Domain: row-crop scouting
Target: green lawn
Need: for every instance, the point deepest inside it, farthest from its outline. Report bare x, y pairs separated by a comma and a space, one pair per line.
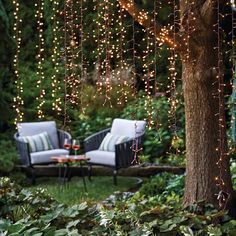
73, 192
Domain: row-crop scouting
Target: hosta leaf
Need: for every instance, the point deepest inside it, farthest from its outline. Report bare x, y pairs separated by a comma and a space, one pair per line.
167, 226
72, 223
186, 230
157, 210
61, 232
15, 228
74, 233
213, 231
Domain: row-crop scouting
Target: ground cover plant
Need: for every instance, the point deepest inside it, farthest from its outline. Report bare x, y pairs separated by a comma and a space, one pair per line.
153, 210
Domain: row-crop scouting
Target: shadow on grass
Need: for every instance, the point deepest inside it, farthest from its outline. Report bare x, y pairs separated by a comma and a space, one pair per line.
73, 192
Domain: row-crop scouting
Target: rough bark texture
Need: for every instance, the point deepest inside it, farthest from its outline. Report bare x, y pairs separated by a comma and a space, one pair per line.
200, 85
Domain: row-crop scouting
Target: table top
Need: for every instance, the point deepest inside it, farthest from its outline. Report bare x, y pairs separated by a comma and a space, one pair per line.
70, 158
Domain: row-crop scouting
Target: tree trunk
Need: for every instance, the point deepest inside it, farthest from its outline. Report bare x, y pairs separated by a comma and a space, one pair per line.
201, 98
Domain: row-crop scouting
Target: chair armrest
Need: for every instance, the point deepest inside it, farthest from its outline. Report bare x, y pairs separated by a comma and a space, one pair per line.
124, 152
23, 149
93, 142
62, 135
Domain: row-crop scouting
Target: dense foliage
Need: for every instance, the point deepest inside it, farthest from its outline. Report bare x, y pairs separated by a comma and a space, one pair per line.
154, 210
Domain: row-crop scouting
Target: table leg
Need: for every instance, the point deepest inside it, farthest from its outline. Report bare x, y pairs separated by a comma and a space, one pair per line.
82, 173
65, 173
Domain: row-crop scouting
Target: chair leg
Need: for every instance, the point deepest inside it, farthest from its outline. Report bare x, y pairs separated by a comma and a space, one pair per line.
89, 172
33, 175
115, 177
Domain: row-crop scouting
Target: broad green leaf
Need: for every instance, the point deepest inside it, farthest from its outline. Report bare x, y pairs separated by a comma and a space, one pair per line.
61, 232
186, 230
213, 231
72, 223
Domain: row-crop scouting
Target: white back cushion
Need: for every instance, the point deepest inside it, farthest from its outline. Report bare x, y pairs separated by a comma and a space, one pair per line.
127, 127
33, 128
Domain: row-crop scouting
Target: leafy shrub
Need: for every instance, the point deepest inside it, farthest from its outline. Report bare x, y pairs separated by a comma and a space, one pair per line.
160, 139
8, 155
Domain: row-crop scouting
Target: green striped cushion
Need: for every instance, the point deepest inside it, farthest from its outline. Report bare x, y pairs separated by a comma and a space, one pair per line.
110, 140
39, 142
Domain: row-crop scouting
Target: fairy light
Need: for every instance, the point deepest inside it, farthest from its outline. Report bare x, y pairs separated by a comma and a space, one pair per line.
83, 70
71, 78
133, 49
107, 65
98, 52
122, 66
172, 90
56, 83
149, 74
40, 58
232, 60
222, 196
18, 101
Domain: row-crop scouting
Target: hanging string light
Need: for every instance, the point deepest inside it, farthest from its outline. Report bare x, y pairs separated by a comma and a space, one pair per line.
83, 70
70, 54
124, 55
40, 57
172, 89
149, 72
18, 101
107, 62
56, 83
98, 34
233, 80
222, 196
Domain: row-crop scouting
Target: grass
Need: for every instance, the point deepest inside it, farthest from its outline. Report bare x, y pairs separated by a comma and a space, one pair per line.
73, 192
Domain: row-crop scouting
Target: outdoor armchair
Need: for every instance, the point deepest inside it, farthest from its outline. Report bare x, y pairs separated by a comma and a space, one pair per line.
30, 158
123, 154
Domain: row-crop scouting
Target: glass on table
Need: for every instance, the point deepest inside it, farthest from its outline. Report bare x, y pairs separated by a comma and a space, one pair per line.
75, 146
67, 145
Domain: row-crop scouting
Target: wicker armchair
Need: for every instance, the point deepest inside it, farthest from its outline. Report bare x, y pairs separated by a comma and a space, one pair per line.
123, 155
31, 159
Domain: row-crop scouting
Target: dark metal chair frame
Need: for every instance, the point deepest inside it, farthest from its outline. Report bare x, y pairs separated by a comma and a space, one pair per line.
124, 155
24, 153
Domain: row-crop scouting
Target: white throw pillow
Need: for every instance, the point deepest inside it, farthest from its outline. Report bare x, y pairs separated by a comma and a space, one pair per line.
110, 140
39, 142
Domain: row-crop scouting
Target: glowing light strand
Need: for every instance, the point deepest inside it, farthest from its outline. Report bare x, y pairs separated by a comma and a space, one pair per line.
18, 101
222, 196
40, 58
56, 83
172, 90
107, 20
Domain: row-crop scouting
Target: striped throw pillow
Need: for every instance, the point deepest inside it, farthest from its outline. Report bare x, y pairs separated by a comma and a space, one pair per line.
39, 142
110, 140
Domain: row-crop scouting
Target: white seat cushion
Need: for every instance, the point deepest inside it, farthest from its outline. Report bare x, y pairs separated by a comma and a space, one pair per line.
101, 157
33, 128
45, 156
127, 127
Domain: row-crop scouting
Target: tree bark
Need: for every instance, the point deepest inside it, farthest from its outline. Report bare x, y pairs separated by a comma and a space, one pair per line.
202, 130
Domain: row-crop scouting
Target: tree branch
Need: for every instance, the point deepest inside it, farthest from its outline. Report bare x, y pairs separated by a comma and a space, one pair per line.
162, 34
208, 9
